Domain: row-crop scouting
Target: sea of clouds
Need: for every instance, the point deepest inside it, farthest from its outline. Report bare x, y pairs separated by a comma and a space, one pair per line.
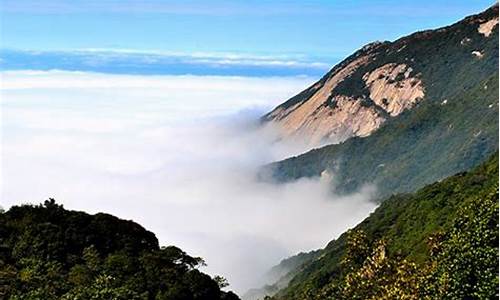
177, 154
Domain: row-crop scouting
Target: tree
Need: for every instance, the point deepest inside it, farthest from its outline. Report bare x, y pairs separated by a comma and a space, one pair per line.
467, 263
221, 281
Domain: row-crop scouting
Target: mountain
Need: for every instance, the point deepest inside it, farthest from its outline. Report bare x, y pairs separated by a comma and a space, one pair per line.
384, 79
280, 275
440, 117
440, 242
408, 112
48, 252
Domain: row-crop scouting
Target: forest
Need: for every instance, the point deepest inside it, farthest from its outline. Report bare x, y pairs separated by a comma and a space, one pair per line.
48, 252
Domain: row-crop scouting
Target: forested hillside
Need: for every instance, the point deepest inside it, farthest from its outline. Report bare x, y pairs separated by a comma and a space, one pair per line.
440, 242
48, 252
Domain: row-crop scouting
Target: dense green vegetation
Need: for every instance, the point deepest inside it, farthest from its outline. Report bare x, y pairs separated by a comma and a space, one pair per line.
47, 252
434, 140
439, 243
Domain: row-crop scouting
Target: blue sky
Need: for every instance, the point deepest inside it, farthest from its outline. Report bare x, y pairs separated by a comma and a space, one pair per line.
307, 31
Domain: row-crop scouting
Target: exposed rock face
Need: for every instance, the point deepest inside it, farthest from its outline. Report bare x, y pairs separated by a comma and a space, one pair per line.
324, 116
478, 54
393, 88
487, 27
330, 115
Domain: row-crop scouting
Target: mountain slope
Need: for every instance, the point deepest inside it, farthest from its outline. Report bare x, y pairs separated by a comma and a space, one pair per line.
454, 127
280, 275
427, 144
438, 243
384, 79
47, 252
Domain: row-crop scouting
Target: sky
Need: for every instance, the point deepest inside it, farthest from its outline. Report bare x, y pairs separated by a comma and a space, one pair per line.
314, 33
148, 110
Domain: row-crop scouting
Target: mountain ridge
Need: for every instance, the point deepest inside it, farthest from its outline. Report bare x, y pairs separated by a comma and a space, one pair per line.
454, 128
380, 81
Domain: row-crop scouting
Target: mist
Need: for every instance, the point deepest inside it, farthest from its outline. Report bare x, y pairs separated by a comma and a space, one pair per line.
177, 154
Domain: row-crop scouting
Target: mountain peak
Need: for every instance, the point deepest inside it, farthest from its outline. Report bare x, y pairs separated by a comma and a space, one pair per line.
383, 79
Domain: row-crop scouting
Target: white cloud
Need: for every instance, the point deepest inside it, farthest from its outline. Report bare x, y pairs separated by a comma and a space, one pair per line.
170, 61
58, 79
177, 154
